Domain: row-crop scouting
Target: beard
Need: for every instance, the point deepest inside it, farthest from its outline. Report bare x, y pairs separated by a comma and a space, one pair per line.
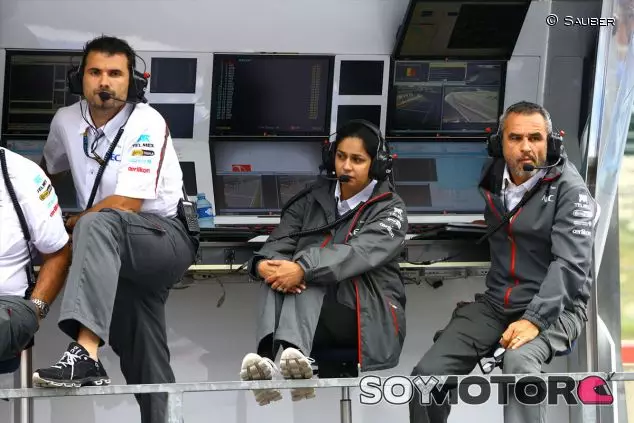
519, 172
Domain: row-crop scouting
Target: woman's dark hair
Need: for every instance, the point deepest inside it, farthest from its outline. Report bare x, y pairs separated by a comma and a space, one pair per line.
359, 130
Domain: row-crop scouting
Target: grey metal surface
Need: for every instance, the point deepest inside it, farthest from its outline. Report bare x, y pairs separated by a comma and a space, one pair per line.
180, 388
23, 408
346, 405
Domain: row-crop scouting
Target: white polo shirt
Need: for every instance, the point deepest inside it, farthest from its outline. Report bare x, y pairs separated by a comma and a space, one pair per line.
143, 165
39, 205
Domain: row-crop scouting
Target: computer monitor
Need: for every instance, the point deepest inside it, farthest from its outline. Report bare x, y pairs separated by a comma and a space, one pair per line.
257, 95
258, 178
63, 184
439, 177
189, 177
35, 87
445, 97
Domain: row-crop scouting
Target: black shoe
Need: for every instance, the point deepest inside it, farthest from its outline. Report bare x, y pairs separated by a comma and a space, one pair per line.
73, 370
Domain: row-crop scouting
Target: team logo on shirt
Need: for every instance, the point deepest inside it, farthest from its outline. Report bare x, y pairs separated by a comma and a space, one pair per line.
46, 193
42, 186
142, 152
140, 161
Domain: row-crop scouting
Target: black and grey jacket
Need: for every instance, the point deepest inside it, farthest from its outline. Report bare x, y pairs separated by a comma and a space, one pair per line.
361, 255
542, 261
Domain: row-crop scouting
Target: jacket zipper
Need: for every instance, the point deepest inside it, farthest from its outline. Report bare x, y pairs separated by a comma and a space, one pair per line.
509, 231
355, 281
356, 291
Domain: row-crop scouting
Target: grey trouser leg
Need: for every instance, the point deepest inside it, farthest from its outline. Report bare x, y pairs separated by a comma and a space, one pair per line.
474, 325
138, 337
290, 318
18, 324
123, 265
530, 357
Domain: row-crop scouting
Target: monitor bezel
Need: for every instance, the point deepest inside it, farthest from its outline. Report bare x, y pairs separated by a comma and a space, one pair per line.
5, 94
391, 101
217, 57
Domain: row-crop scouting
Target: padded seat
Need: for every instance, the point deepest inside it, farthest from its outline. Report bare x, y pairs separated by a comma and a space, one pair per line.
336, 362
11, 365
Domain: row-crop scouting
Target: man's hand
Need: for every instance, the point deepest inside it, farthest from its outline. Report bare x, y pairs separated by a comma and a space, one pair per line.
288, 277
71, 222
519, 333
266, 269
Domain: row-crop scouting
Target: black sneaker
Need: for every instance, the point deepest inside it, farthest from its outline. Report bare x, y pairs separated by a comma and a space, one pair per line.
75, 369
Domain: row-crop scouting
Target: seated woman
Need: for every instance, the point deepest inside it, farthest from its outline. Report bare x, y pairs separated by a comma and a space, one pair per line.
338, 283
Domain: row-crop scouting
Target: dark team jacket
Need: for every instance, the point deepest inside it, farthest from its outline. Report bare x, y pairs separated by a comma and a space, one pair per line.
541, 263
361, 255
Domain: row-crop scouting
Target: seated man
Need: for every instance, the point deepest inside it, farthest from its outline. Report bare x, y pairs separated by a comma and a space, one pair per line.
23, 302
338, 285
131, 246
539, 282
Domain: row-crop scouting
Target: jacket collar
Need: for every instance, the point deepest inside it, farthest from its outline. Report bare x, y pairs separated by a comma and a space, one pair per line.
324, 193
492, 176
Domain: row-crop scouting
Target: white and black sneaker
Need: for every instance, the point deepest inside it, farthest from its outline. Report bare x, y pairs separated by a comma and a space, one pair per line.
74, 370
255, 367
295, 365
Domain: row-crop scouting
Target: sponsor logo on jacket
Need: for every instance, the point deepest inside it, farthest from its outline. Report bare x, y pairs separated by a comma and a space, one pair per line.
138, 169
142, 152
46, 193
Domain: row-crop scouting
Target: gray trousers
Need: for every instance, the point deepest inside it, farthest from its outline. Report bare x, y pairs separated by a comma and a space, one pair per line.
474, 329
122, 269
312, 318
18, 325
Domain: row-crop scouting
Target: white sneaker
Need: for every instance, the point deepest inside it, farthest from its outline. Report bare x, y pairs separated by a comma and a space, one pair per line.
295, 365
255, 367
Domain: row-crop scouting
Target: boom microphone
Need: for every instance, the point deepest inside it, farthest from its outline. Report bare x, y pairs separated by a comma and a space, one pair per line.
529, 167
342, 178
105, 96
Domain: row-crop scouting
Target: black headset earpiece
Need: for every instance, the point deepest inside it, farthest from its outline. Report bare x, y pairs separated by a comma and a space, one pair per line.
381, 166
136, 88
554, 146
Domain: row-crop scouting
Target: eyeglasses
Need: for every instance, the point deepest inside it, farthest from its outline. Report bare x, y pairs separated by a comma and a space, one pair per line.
490, 362
93, 147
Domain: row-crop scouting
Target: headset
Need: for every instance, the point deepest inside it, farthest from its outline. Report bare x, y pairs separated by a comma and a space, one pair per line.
381, 167
136, 87
554, 146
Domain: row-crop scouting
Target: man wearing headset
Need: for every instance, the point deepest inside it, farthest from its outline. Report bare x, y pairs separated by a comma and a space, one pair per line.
338, 284
130, 247
539, 282
31, 219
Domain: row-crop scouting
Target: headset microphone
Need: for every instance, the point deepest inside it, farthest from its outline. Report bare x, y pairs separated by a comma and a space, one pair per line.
342, 178
105, 96
530, 167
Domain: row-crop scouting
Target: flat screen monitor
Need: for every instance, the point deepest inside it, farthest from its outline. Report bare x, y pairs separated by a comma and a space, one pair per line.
35, 87
258, 178
256, 95
439, 177
189, 177
63, 184
173, 75
445, 97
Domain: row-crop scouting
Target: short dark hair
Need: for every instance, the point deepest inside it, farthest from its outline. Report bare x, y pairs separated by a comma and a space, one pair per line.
359, 130
110, 46
526, 108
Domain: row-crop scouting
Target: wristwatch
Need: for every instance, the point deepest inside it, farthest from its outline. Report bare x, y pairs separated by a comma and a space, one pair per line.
42, 307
